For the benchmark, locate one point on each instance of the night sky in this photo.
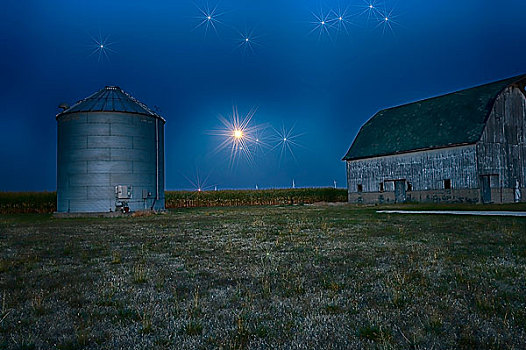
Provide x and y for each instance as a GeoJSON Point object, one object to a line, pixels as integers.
{"type": "Point", "coordinates": [323, 81]}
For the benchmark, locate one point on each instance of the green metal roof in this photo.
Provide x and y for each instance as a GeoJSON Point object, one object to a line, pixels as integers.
{"type": "Point", "coordinates": [453, 119]}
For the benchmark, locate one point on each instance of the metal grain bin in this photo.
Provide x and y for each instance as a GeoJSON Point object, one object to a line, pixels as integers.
{"type": "Point", "coordinates": [110, 155]}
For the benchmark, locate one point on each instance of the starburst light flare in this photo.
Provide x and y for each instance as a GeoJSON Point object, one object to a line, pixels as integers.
{"type": "Point", "coordinates": [208, 18]}
{"type": "Point", "coordinates": [387, 20]}
{"type": "Point", "coordinates": [101, 47]}
{"type": "Point", "coordinates": [286, 140]}
{"type": "Point", "coordinates": [371, 8]}
{"type": "Point", "coordinates": [322, 24]}
{"type": "Point", "coordinates": [247, 42]}
{"type": "Point", "coordinates": [239, 136]}
{"type": "Point", "coordinates": [198, 184]}
{"type": "Point", "coordinates": [341, 20]}
{"type": "Point", "coordinates": [261, 142]}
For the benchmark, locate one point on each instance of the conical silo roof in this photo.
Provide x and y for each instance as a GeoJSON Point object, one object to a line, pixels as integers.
{"type": "Point", "coordinates": [110, 99]}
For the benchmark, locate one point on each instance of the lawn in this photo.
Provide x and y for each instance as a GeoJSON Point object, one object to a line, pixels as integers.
{"type": "Point", "coordinates": [296, 277]}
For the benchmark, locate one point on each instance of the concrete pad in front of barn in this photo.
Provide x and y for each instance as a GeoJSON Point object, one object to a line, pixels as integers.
{"type": "Point", "coordinates": [455, 212]}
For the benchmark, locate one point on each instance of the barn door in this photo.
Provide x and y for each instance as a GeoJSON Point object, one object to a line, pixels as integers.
{"type": "Point", "coordinates": [399, 191]}
{"type": "Point", "coordinates": [485, 188]}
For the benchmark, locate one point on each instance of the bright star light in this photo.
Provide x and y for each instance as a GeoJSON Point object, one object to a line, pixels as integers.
{"type": "Point", "coordinates": [371, 8]}
{"type": "Point", "coordinates": [197, 183]}
{"type": "Point", "coordinates": [286, 140]}
{"type": "Point", "coordinates": [322, 24]}
{"type": "Point", "coordinates": [247, 42]}
{"type": "Point", "coordinates": [208, 18]}
{"type": "Point", "coordinates": [387, 21]}
{"type": "Point", "coordinates": [238, 135]}
{"type": "Point", "coordinates": [261, 141]}
{"type": "Point", "coordinates": [101, 47]}
{"type": "Point", "coordinates": [340, 20]}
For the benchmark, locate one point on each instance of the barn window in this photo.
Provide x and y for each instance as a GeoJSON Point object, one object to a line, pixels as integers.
{"type": "Point", "coordinates": [381, 186]}
{"type": "Point", "coordinates": [360, 187]}
{"type": "Point", "coordinates": [447, 184]}
{"type": "Point", "coordinates": [409, 187]}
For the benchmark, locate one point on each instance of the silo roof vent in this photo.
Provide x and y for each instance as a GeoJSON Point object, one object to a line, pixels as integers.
{"type": "Point", "coordinates": [63, 106]}
{"type": "Point", "coordinates": [110, 99]}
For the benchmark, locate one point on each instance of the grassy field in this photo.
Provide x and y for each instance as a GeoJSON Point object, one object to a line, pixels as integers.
{"type": "Point", "coordinates": [295, 277]}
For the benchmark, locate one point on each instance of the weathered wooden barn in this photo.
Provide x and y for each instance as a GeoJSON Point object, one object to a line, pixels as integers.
{"type": "Point", "coordinates": [466, 146]}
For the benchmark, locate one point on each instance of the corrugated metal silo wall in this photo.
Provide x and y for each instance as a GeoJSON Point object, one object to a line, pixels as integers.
{"type": "Point", "coordinates": [100, 150]}
{"type": "Point", "coordinates": [160, 204]}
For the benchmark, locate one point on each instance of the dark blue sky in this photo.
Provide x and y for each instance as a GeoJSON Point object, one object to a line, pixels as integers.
{"type": "Point", "coordinates": [324, 84]}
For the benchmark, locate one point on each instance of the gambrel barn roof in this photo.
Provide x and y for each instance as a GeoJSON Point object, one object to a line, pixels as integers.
{"type": "Point", "coordinates": [457, 118]}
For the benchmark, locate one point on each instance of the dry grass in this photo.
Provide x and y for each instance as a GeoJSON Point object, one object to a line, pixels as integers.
{"type": "Point", "coordinates": [296, 277]}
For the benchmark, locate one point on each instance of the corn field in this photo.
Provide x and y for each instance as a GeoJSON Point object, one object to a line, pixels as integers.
{"type": "Point", "coordinates": [45, 202]}
{"type": "Point", "coordinates": [233, 198]}
{"type": "Point", "coordinates": [28, 202]}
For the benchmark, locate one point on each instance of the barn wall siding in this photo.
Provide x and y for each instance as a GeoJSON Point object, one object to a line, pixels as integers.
{"type": "Point", "coordinates": [502, 146]}
{"type": "Point", "coordinates": [425, 170]}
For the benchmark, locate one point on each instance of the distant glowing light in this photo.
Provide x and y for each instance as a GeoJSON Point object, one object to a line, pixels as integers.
{"type": "Point", "coordinates": [322, 24]}
{"type": "Point", "coordinates": [198, 183]}
{"type": "Point", "coordinates": [101, 47]}
{"type": "Point", "coordinates": [387, 21]}
{"type": "Point", "coordinates": [208, 18]}
{"type": "Point", "coordinates": [371, 9]}
{"type": "Point", "coordinates": [238, 135]}
{"type": "Point", "coordinates": [247, 41]}
{"type": "Point", "coordinates": [340, 20]}
{"type": "Point", "coordinates": [286, 142]}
